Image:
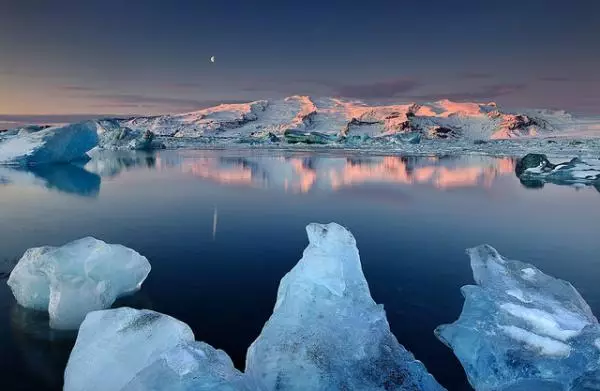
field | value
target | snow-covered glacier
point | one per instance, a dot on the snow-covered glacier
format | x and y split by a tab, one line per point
41	145
326	333
342	121
334	122
521	329
82	276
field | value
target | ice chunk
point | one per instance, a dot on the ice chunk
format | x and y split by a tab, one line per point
521	329
79	277
51	145
299	136
114	345
326	332
112	135
191	366
536	168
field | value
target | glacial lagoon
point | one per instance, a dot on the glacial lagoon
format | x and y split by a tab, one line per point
221	228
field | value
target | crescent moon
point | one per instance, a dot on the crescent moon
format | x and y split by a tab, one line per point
212	59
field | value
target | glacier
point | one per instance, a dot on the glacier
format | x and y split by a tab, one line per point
72	280
337	120
325	333
42	145
443	126
521	329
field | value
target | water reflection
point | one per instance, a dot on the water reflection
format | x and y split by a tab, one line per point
112	163
287	172
43	350
65	178
302	174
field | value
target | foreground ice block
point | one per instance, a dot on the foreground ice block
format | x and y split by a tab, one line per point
326	332
114	345
57	144
70	281
521	329
190	366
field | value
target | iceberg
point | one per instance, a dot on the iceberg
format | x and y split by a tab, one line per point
326	333
521	329
114	136
535	168
82	276
57	144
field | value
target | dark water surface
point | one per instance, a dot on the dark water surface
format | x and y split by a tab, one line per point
221	228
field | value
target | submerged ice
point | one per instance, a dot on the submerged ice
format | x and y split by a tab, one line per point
521	329
326	333
70	281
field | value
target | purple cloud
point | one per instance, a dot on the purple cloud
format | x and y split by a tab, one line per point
133	100
555	78
76	88
387	89
50	118
476	75
166	103
489	92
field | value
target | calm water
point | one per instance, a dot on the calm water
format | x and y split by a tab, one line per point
221	229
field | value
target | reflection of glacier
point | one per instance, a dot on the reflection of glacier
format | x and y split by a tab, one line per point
301	174
111	163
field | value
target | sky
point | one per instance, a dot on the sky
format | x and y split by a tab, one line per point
67	59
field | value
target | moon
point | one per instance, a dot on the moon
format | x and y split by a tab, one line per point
212	59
